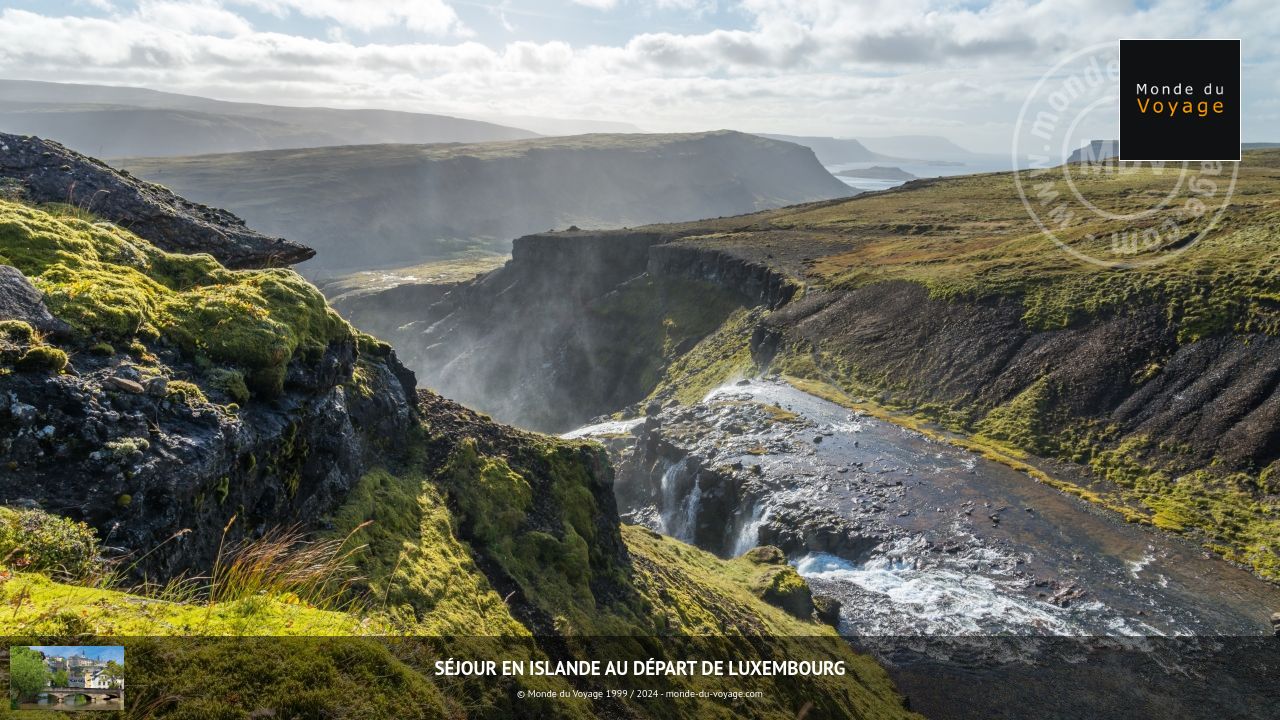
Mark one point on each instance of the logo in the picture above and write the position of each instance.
(1096, 207)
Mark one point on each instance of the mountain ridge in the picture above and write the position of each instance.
(411, 203)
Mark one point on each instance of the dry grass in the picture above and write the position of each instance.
(284, 563)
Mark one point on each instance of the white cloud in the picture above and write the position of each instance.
(426, 16)
(192, 16)
(800, 66)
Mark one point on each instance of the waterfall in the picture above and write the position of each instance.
(688, 528)
(749, 534)
(670, 491)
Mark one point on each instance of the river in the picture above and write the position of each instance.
(931, 541)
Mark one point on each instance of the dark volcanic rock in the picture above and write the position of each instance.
(143, 466)
(20, 300)
(48, 172)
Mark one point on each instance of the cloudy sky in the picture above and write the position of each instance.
(828, 67)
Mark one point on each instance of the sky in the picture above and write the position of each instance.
(840, 68)
(93, 652)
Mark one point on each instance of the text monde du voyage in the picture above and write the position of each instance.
(1181, 99)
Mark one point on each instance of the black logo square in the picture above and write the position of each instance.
(1180, 100)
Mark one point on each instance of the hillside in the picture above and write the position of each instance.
(832, 151)
(198, 451)
(1150, 391)
(365, 207)
(108, 121)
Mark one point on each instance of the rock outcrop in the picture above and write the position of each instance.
(154, 395)
(42, 171)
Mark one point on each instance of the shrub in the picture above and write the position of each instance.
(38, 541)
(42, 358)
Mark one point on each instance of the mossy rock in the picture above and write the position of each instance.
(42, 358)
(17, 331)
(112, 286)
(230, 382)
(766, 555)
(784, 588)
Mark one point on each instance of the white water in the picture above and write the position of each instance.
(612, 427)
(936, 601)
(670, 501)
(689, 517)
(749, 535)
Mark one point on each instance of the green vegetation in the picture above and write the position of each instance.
(39, 542)
(27, 673)
(649, 324)
(968, 238)
(719, 357)
(414, 568)
(481, 531)
(113, 286)
(42, 358)
(18, 332)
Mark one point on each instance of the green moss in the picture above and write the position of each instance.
(110, 285)
(370, 345)
(185, 392)
(128, 447)
(231, 382)
(1023, 420)
(34, 540)
(783, 587)
(102, 349)
(18, 331)
(42, 358)
(45, 604)
(719, 357)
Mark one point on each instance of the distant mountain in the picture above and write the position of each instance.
(831, 151)
(380, 206)
(1096, 151)
(108, 121)
(878, 172)
(920, 147)
(563, 126)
